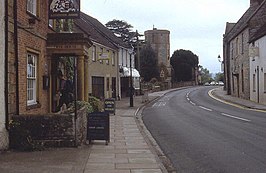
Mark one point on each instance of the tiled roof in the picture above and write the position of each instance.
(260, 33)
(260, 29)
(83, 25)
(241, 24)
(97, 29)
(229, 27)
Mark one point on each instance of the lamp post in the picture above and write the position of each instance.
(130, 80)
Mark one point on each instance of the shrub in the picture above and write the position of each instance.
(96, 104)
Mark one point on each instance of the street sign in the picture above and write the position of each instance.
(109, 106)
(103, 56)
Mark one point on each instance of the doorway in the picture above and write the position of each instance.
(62, 76)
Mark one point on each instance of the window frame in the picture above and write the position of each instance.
(33, 7)
(101, 61)
(32, 79)
(93, 53)
(107, 61)
(113, 58)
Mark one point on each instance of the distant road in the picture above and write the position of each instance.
(200, 134)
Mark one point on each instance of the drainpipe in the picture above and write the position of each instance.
(6, 66)
(16, 53)
(258, 83)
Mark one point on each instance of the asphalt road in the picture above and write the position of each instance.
(200, 134)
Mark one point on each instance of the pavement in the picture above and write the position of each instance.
(131, 149)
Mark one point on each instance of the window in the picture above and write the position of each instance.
(93, 53)
(101, 61)
(107, 84)
(107, 61)
(31, 79)
(242, 43)
(32, 7)
(237, 46)
(113, 58)
(232, 50)
(242, 77)
(51, 23)
(254, 82)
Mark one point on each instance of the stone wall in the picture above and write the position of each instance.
(183, 84)
(33, 132)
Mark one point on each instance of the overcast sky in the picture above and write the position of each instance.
(196, 25)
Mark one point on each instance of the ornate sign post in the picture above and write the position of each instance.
(64, 9)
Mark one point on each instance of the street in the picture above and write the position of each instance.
(201, 134)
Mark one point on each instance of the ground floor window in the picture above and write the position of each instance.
(31, 79)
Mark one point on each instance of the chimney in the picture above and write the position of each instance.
(255, 2)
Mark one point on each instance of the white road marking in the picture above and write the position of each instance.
(238, 118)
(158, 104)
(192, 103)
(207, 109)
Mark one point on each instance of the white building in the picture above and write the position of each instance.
(258, 70)
(3, 132)
(126, 69)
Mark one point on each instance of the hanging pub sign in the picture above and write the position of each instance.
(64, 9)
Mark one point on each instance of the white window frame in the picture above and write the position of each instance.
(107, 61)
(32, 7)
(93, 53)
(113, 58)
(31, 79)
(101, 61)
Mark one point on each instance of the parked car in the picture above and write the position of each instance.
(207, 84)
(221, 83)
(213, 83)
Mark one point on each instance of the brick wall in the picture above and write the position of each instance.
(32, 39)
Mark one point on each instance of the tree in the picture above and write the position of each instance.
(205, 75)
(184, 63)
(121, 29)
(148, 63)
(219, 77)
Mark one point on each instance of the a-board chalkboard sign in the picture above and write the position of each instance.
(98, 126)
(109, 106)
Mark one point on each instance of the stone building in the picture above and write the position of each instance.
(236, 53)
(160, 42)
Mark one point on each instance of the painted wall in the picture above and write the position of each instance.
(3, 132)
(258, 73)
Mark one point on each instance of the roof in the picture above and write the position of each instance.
(260, 33)
(260, 20)
(242, 23)
(229, 27)
(103, 31)
(84, 25)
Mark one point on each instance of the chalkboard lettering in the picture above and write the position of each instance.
(98, 126)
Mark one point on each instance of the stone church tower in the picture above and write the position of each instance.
(160, 42)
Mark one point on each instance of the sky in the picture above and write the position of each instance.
(195, 25)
